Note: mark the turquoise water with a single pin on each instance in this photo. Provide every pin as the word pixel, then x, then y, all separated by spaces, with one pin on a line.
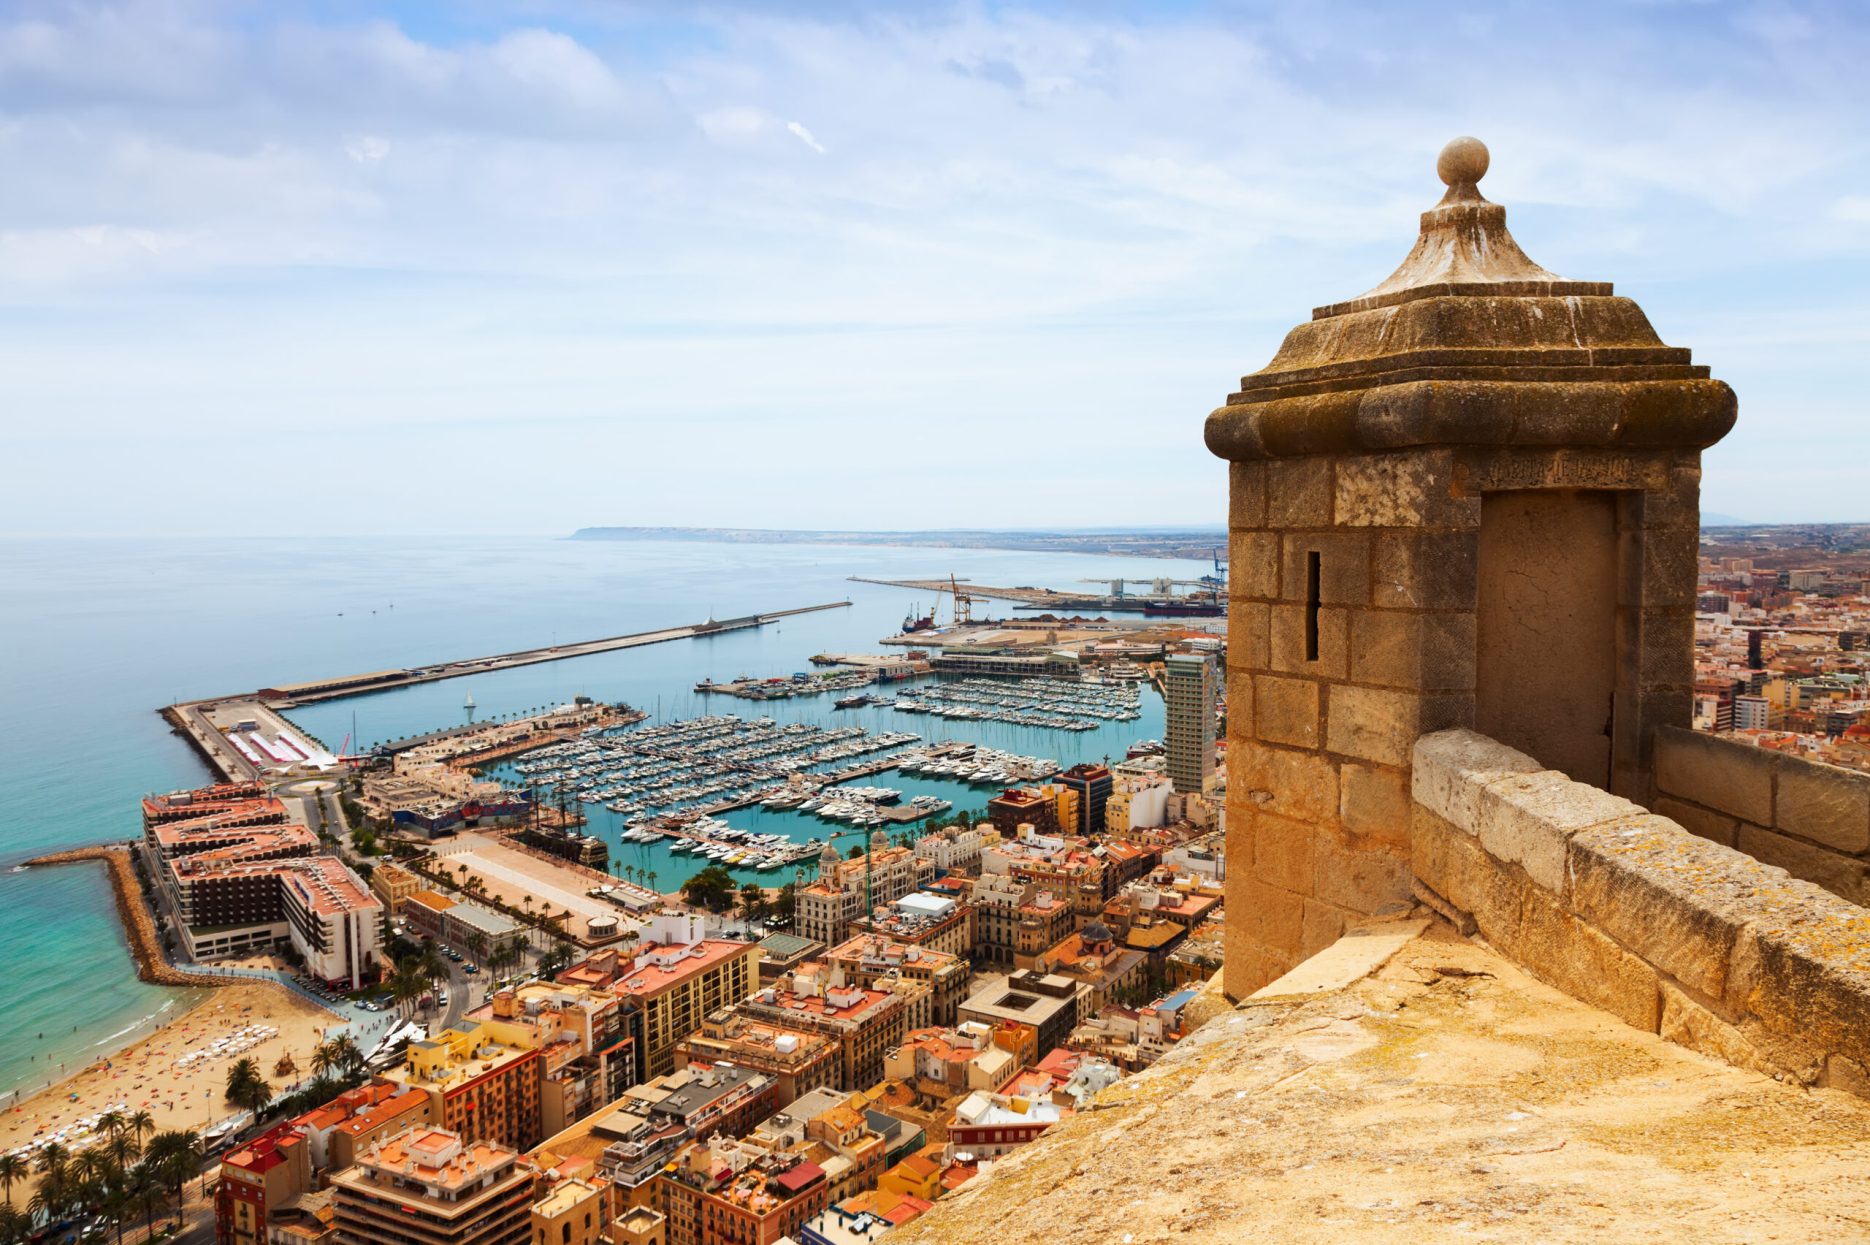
pixel 97 634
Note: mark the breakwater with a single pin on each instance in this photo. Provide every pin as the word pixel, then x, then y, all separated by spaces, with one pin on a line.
pixel 138 926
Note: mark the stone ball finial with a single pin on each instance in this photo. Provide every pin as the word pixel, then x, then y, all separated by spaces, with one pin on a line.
pixel 1462 162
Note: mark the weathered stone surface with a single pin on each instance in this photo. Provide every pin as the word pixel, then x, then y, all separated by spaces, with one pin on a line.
pixel 1805 973
pixel 1343 567
pixel 1413 651
pixel 1677 900
pixel 1298 493
pixel 1282 857
pixel 1249 635
pixel 1253 567
pixel 1431 570
pixel 1395 490
pixel 1452 862
pixel 1824 803
pixel 1710 825
pixel 1246 495
pixel 1843 876
pixel 1289 782
pixel 1688 1022
pixel 1373 802
pixel 1372 724
pixel 1323 924
pixel 1528 819
pixel 1444 1096
pixel 1277 918
pixel 1585 963
pixel 1286 710
pixel 1288 642
pixel 1363 880
pixel 1716 773
pixel 1452 768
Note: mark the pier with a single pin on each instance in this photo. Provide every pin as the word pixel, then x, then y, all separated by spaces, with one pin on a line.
pixel 290 695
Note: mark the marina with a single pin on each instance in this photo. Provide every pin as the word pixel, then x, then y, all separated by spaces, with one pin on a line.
pixel 1046 704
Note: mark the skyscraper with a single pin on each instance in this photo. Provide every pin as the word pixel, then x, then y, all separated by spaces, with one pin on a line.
pixel 1189 692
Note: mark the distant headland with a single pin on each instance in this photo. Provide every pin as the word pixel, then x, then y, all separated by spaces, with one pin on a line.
pixel 1149 542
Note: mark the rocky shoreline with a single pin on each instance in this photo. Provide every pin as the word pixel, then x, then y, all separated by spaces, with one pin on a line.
pixel 145 943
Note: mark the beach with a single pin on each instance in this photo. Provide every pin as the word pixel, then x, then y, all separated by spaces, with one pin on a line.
pixel 177 1073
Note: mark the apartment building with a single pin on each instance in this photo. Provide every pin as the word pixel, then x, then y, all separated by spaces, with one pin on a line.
pixel 798 1060
pixel 866 1022
pixel 677 976
pixel 430 1186
pixel 872 960
pixel 825 909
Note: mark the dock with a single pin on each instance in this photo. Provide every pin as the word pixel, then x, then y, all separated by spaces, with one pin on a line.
pixel 290 695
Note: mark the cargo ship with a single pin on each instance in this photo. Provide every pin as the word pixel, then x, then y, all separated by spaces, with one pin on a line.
pixel 852 702
pixel 1185 609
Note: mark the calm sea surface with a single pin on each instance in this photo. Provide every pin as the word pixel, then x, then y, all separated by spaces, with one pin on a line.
pixel 95 635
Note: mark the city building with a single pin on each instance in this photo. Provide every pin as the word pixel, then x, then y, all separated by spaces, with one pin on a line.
pixel 429 1186
pixel 468 927
pixel 865 1021
pixel 572 1211
pixel 724 1191
pixel 1093 958
pixel 1189 696
pixel 240 880
pixel 627 1143
pixel 1023 806
pixel 1137 802
pixel 954 849
pixel 798 1060
pixel 781 953
pixel 482 1077
pixel 1047 1004
pixel 942 1063
pixel 677 976
pixel 257 1181
pixel 862 1219
pixel 1091 786
pixel 987 1125
pixel 1042 921
pixel 996 899
pixel 871 960
pixel 590 1042
pixel 923 919
pixel 848 889
pixel 392 884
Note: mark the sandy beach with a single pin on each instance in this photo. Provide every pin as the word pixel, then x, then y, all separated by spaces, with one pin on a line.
pixel 176 1073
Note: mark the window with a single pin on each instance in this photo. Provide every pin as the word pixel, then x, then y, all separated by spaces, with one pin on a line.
pixel 1314 577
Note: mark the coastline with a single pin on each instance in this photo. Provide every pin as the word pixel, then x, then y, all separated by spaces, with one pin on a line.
pixel 139 929
pixel 261 1019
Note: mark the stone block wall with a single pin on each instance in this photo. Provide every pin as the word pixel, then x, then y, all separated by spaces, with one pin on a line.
pixel 1629 912
pixel 1808 818
pixel 1325 704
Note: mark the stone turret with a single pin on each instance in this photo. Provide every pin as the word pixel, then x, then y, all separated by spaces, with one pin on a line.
pixel 1468 497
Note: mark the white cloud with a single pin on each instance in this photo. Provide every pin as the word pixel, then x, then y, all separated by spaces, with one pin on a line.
pixel 804 136
pixel 609 227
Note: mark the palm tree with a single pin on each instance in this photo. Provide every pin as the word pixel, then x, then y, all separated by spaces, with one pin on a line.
pixel 477 945
pixel 14 1224
pixel 247 1088
pixel 142 1124
pixel 349 1059
pixel 177 1155
pixel 651 875
pixel 13 1169
pixel 324 1059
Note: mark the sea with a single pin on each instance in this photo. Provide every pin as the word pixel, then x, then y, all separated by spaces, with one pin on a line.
pixel 98 634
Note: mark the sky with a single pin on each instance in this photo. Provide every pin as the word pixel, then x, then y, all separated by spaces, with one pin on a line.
pixel 349 268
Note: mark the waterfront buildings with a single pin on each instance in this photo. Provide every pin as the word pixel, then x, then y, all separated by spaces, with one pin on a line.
pixel 431 1186
pixel 1137 802
pixel 1189 693
pixel 392 884
pixel 1027 807
pixel 955 849
pixel 677 976
pixel 239 879
pixel 846 888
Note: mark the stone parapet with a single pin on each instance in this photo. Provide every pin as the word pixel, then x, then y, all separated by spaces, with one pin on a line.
pixel 1808 818
pixel 1628 911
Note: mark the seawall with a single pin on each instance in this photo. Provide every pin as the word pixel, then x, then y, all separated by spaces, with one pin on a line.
pixel 145 944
